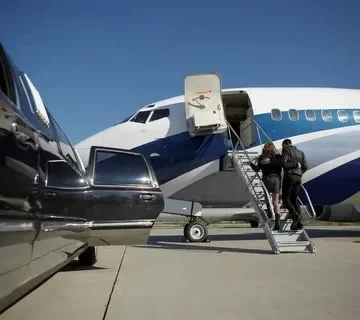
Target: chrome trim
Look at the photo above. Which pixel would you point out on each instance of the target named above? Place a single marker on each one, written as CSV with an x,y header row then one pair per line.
x,y
55,226
17,226
120,225
96,225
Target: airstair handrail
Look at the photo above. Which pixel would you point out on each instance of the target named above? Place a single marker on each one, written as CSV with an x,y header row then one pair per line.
x,y
267,195
262,130
313,213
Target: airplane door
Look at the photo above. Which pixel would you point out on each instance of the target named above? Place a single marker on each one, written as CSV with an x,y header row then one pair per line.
x,y
203,104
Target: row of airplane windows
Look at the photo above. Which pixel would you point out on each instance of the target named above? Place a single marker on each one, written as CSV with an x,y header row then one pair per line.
x,y
311,116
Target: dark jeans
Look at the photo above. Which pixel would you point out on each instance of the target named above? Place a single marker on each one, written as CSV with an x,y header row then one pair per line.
x,y
290,189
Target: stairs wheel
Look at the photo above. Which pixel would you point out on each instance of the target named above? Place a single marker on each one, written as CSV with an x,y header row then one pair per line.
x,y
196,231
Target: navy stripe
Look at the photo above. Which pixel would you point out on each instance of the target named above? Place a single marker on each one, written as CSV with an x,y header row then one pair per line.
x,y
335,185
181,153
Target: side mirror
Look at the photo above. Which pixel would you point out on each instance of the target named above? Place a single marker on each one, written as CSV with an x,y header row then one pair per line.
x,y
39,106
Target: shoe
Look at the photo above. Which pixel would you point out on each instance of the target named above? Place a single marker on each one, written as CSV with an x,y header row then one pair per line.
x,y
277,224
294,225
269,214
299,225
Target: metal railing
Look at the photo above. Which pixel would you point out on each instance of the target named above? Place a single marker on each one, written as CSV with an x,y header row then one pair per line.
x,y
247,178
312,214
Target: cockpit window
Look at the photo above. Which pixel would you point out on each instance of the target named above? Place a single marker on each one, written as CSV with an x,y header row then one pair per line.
x,y
127,118
141,117
159,114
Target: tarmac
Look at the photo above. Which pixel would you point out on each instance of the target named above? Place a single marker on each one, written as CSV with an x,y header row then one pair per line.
x,y
235,276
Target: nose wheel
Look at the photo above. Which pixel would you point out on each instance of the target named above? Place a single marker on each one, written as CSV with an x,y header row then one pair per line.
x,y
196,231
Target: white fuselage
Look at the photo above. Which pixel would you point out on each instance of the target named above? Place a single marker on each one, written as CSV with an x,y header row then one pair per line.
x,y
322,122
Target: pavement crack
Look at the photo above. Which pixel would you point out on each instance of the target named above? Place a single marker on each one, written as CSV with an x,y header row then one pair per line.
x,y
114,284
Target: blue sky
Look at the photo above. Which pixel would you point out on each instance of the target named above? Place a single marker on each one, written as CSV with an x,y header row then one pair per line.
x,y
96,62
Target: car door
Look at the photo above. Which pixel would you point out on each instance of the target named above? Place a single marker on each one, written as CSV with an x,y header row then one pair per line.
x,y
19,157
119,197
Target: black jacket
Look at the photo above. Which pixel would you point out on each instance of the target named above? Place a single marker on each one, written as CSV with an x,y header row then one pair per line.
x,y
273,167
291,156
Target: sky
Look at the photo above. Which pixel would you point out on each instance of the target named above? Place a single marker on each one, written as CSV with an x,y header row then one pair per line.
x,y
94,63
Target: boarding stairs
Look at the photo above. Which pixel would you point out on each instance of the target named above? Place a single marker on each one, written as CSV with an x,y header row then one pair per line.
x,y
285,239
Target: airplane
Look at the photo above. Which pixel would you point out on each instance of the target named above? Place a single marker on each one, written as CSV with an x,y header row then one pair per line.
x,y
190,147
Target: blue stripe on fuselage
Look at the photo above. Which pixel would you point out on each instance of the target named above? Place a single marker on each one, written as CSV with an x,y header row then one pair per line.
x,y
182,153
335,185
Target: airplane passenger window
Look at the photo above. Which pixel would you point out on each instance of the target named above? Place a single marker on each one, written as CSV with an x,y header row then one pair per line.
x,y
141,117
326,115
159,114
276,114
310,115
293,114
131,169
342,116
61,175
356,115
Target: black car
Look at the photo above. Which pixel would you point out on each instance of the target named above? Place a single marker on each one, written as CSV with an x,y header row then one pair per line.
x,y
52,209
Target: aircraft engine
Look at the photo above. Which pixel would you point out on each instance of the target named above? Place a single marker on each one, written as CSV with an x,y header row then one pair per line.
x,y
338,213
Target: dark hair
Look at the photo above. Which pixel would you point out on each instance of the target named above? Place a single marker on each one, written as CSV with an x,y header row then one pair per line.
x,y
287,142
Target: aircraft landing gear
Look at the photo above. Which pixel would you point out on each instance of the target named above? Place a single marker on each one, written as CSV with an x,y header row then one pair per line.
x,y
196,230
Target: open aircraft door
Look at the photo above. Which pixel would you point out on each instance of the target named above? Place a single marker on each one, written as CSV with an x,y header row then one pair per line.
x,y
203,104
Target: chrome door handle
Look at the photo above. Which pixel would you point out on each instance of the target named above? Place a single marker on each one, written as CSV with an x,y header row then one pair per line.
x,y
49,194
147,197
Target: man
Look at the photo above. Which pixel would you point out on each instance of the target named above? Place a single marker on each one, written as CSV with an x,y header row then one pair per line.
x,y
295,165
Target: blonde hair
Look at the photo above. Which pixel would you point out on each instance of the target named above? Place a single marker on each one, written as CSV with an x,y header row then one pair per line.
x,y
268,149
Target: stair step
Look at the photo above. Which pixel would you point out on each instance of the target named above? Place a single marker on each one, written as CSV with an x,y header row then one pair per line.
x,y
294,246
286,240
287,237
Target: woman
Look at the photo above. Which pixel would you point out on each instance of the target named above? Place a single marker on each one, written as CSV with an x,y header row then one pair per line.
x,y
270,163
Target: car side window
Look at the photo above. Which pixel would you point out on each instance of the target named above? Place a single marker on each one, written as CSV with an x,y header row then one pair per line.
x,y
120,168
65,146
6,81
61,175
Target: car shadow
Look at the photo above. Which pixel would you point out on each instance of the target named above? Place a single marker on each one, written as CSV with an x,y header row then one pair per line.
x,y
76,266
208,248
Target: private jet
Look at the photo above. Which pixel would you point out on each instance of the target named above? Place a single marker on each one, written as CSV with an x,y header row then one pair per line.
x,y
189,144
